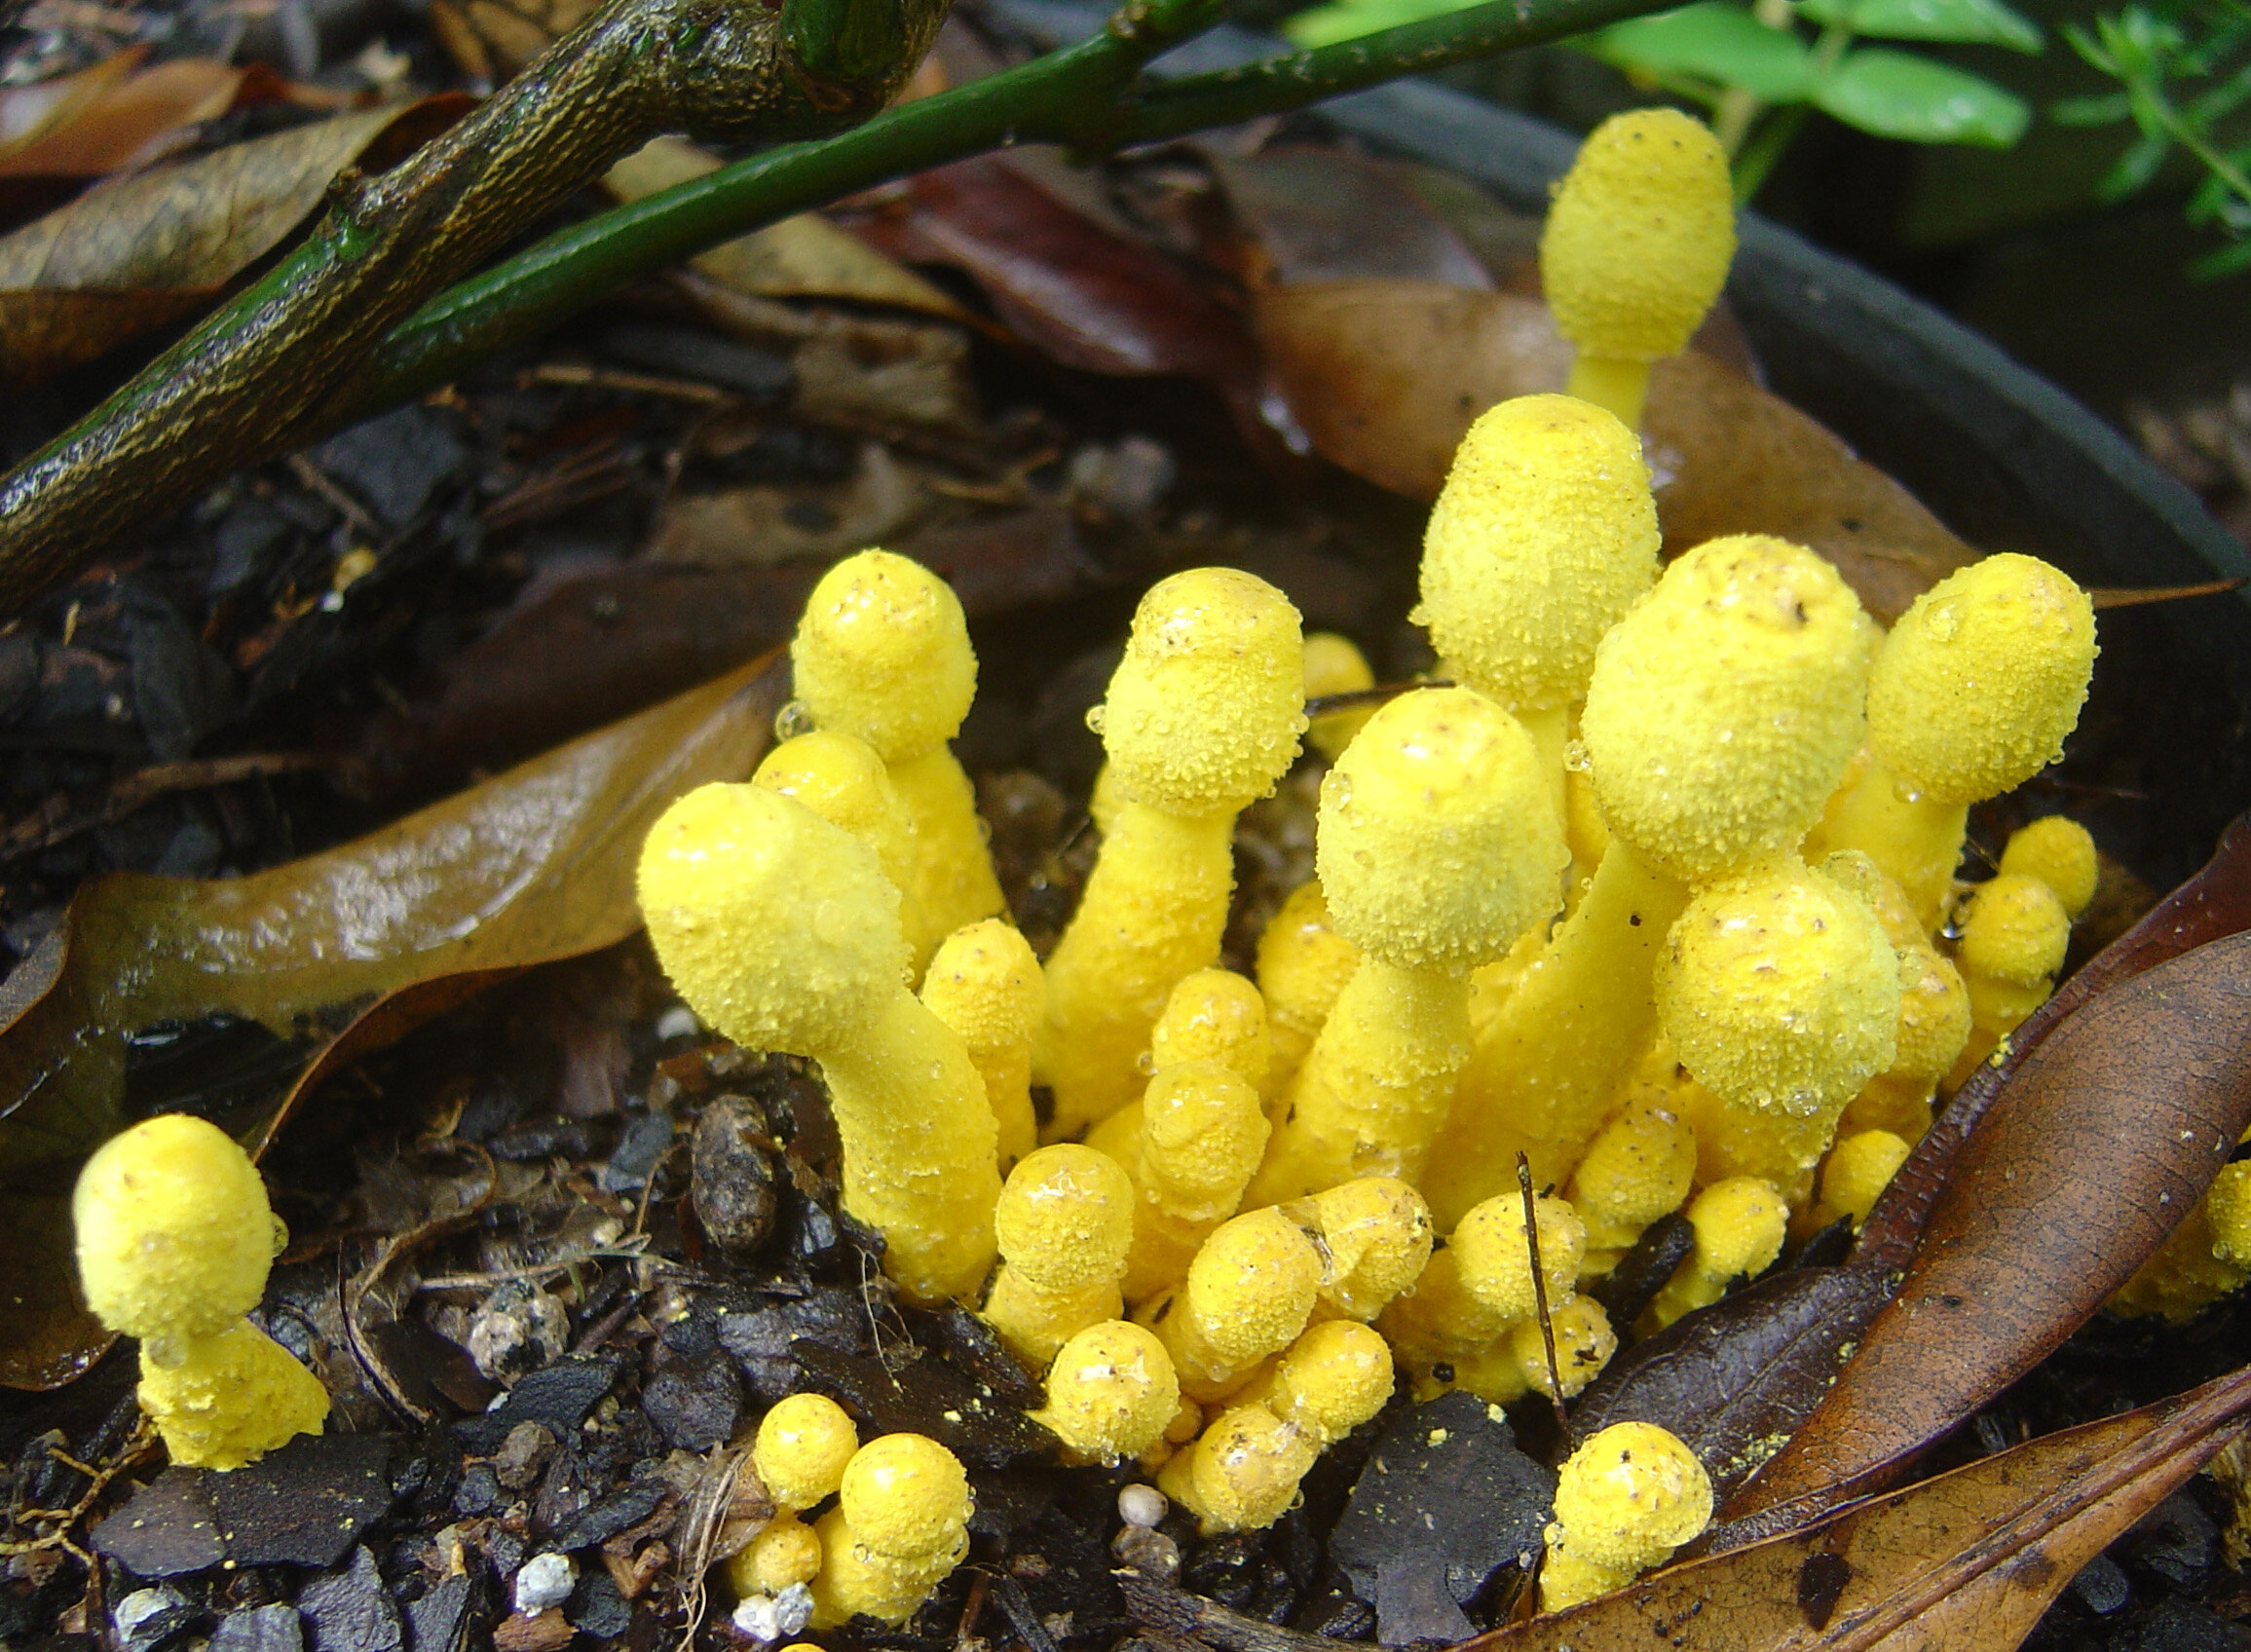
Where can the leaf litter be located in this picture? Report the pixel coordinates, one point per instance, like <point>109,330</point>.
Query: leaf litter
<point>552,1245</point>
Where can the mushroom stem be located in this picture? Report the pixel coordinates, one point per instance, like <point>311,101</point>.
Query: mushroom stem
<point>1613,384</point>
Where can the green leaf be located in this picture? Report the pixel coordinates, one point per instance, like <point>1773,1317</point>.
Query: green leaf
<point>1349,19</point>
<point>1893,94</point>
<point>1968,23</point>
<point>1718,41</point>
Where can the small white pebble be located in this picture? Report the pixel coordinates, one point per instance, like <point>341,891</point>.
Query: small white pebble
<point>1140,1505</point>
<point>774,1617</point>
<point>545,1581</point>
<point>678,1022</point>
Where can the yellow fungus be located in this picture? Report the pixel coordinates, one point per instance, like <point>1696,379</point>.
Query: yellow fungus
<point>1334,665</point>
<point>985,984</point>
<point>2061,853</point>
<point>803,1444</point>
<point>233,1397</point>
<point>1242,1472</point>
<point>1739,1225</point>
<point>1437,849</point>
<point>1202,717</point>
<point>1490,1248</point>
<point>1302,965</point>
<point>781,931</point>
<point>1374,1238</point>
<point>2014,929</point>
<point>1334,1377</point>
<point>1065,1222</point>
<point>1625,1499</point>
<point>1636,248</point>
<point>1215,1015</point>
<point>1248,1295</point>
<point>1637,1169</point>
<point>882,653</point>
<point>1857,1168</point>
<point>1201,1135</point>
<point>841,779</point>
<point>1111,1393</point>
<point>2203,1258</point>
<point>1779,991</point>
<point>785,1552</point>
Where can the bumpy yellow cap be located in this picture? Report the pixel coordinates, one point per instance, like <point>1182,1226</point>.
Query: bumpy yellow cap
<point>1724,710</point>
<point>1981,680</point>
<point>1489,1248</point>
<point>1934,1018</point>
<point>1779,991</point>
<point>1543,536</point>
<point>2228,1207</point>
<point>1201,1135</point>
<point>1203,714</point>
<point>1304,962</point>
<point>1438,843</point>
<point>841,779</point>
<point>2014,929</point>
<point>1065,1218</point>
<point>1630,1495</point>
<point>1639,237</point>
<point>2061,853</point>
<point>1637,1169</point>
<point>882,653</point>
<point>174,1234</point>
<point>1334,665</point>
<point>1859,1168</point>
<point>787,1550</point>
<point>904,1495</point>
<point>1584,1345</point>
<point>232,1397</point>
<point>803,1444</point>
<point>1111,1392</point>
<point>1375,1240</point>
<point>780,929</point>
<point>1740,1227</point>
<point>1215,1015</point>
<point>1332,1380</point>
<point>984,983</point>
<point>1244,1470</point>
<point>1252,1286</point>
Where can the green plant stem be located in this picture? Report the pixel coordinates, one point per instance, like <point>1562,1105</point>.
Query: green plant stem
<point>1755,162</point>
<point>1090,97</point>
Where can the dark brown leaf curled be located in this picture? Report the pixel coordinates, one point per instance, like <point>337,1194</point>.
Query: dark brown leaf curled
<point>2105,1138</point>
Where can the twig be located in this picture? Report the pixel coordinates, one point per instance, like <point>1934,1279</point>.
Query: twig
<point>1540,1298</point>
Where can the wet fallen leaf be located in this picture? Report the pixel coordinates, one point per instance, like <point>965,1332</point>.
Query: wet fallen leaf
<point>2151,1082</point>
<point>1734,1380</point>
<point>1384,376</point>
<point>152,247</point>
<point>1066,284</point>
<point>28,113</point>
<point>802,258</point>
<point>1965,1561</point>
<point>130,122</point>
<point>492,39</point>
<point>1312,215</point>
<point>334,952</point>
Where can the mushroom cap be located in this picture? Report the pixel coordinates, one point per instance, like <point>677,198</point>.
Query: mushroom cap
<point>1584,1345</point>
<point>1334,665</point>
<point>905,1496</point>
<point>1630,1495</point>
<point>1543,536</point>
<point>1214,1015</point>
<point>1982,681</point>
<point>1638,1169</point>
<point>1724,710</point>
<point>1639,236</point>
<point>1780,991</point>
<point>1064,1219</point>
<point>1857,1168</point>
<point>174,1233</point>
<point>1304,962</point>
<point>1333,1378</point>
<point>1252,1285</point>
<point>1739,1225</point>
<point>803,1444</point>
<point>1204,712</point>
<point>839,778</point>
<point>1436,838</point>
<point>882,653</point>
<point>1375,1236</point>
<point>1489,1248</point>
<point>780,929</point>
<point>2014,929</point>
<point>1112,1391</point>
<point>2061,853</point>
<point>1202,1136</point>
<point>1934,1018</point>
<point>786,1550</point>
<point>985,983</point>
<point>1246,1468</point>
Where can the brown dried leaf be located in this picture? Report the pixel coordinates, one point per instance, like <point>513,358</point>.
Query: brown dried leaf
<point>155,245</point>
<point>333,952</point>
<point>802,258</point>
<point>28,113</point>
<point>129,123</point>
<point>1965,1561</point>
<point>1384,376</point>
<point>2105,1138</point>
